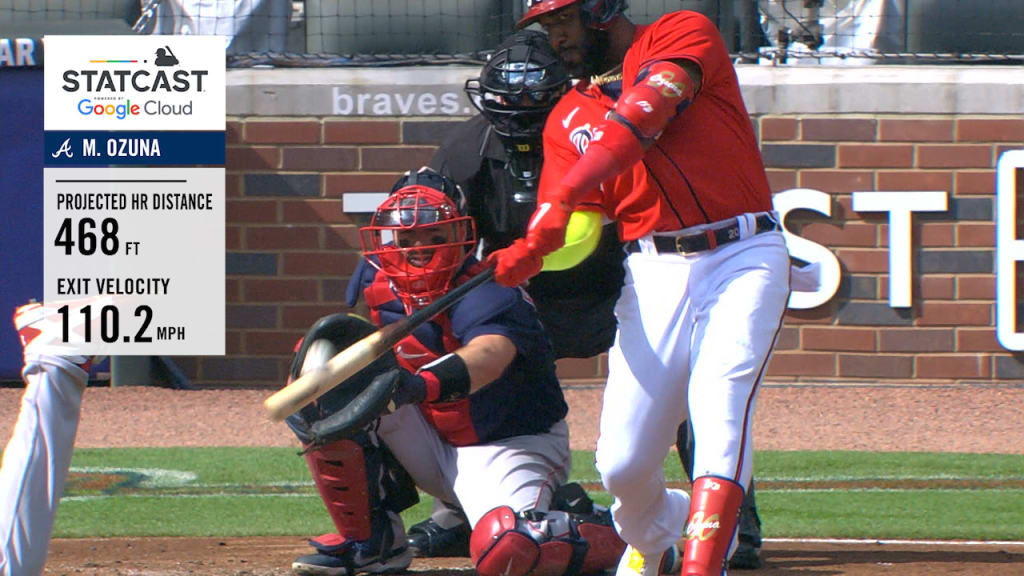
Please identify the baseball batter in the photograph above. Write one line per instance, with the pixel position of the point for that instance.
(479, 419)
(707, 271)
(37, 457)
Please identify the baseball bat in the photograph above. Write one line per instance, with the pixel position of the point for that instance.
(351, 360)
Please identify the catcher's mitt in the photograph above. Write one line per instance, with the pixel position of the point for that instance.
(352, 404)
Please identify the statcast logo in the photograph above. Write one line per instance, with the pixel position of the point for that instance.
(107, 84)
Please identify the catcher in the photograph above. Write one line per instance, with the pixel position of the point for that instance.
(478, 415)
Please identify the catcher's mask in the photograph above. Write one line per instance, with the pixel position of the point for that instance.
(427, 176)
(597, 14)
(419, 239)
(519, 85)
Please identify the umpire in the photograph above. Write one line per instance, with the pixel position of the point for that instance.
(496, 158)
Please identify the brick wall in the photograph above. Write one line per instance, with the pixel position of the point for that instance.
(291, 248)
(949, 333)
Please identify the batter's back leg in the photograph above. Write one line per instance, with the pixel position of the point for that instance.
(748, 551)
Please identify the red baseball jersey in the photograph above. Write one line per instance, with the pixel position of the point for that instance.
(568, 132)
(704, 167)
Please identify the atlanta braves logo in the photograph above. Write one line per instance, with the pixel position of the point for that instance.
(65, 149)
(664, 80)
(700, 528)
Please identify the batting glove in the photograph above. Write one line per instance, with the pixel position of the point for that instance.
(517, 263)
(546, 232)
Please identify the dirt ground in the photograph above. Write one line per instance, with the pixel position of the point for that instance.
(273, 556)
(981, 419)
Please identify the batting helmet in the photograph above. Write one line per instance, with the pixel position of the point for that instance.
(519, 85)
(419, 239)
(595, 13)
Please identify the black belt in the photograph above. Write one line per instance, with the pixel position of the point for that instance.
(707, 240)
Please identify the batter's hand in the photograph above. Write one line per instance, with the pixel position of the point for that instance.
(546, 232)
(517, 263)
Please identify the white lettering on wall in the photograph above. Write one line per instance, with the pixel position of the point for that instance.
(345, 102)
(900, 206)
(806, 250)
(1009, 249)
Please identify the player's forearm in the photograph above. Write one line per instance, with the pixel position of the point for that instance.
(486, 359)
(617, 151)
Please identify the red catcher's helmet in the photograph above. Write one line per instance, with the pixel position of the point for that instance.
(595, 13)
(419, 240)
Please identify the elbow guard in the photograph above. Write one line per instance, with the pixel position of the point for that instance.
(662, 90)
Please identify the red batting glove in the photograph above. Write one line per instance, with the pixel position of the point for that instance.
(546, 232)
(515, 264)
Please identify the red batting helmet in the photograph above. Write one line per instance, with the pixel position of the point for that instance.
(595, 13)
(419, 240)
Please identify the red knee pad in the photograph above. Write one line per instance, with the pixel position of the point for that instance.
(604, 546)
(714, 512)
(499, 548)
(555, 543)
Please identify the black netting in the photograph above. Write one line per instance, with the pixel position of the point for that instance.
(390, 32)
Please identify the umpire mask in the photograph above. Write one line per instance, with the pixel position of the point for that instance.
(519, 85)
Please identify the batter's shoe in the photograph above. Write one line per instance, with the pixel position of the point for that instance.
(634, 563)
(41, 331)
(429, 540)
(748, 550)
(385, 553)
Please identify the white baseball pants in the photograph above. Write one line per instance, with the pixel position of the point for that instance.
(36, 461)
(695, 334)
(521, 472)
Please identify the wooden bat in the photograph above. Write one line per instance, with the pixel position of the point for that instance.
(351, 360)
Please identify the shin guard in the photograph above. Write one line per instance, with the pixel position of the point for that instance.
(714, 510)
(553, 543)
(340, 473)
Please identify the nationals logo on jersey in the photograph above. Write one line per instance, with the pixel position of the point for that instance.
(582, 136)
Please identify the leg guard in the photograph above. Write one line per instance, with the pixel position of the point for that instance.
(592, 524)
(340, 472)
(555, 543)
(714, 510)
(604, 547)
(358, 479)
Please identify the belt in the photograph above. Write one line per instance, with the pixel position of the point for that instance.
(701, 241)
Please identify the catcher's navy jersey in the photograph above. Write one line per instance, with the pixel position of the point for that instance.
(525, 399)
